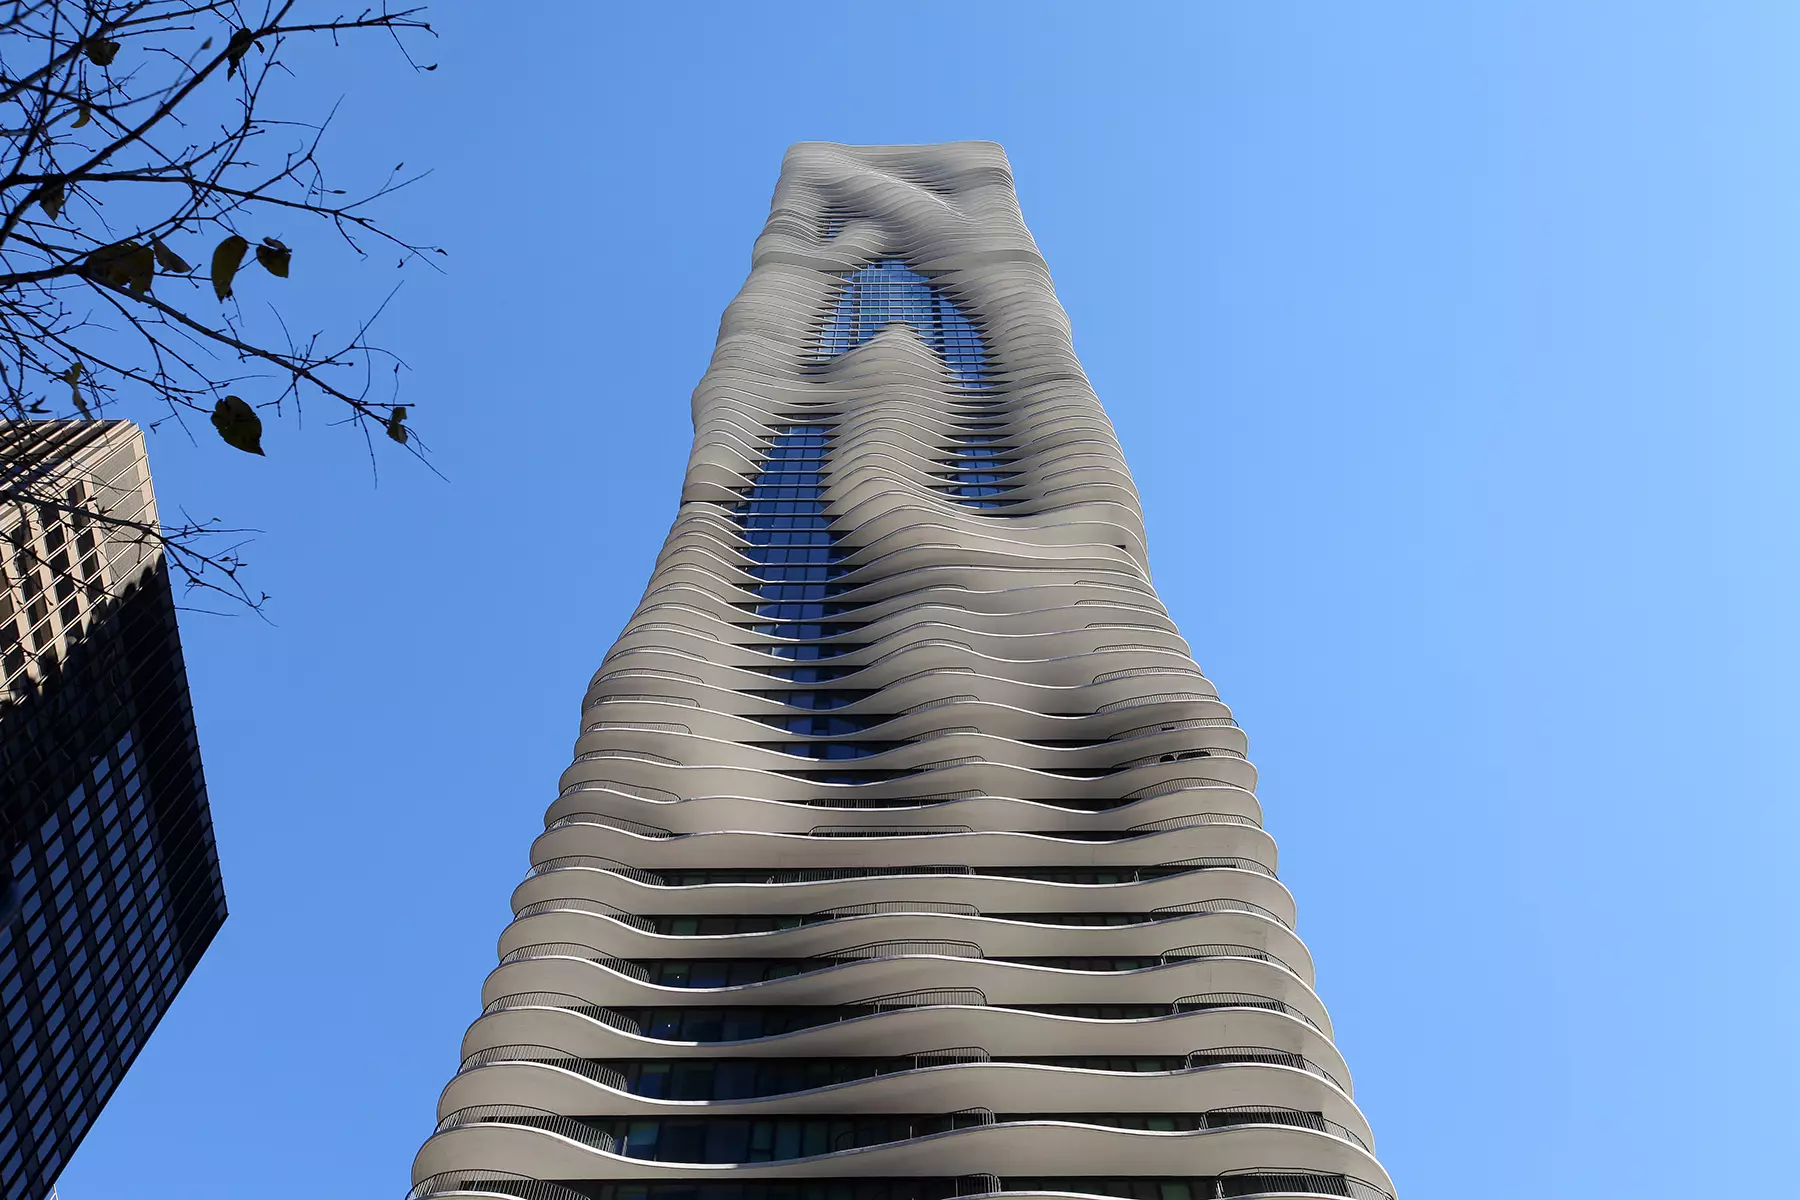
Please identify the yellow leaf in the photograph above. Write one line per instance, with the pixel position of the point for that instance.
(274, 257)
(139, 268)
(83, 116)
(235, 49)
(238, 424)
(51, 196)
(100, 51)
(123, 265)
(227, 257)
(396, 427)
(168, 260)
(72, 377)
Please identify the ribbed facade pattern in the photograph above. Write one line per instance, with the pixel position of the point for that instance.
(906, 852)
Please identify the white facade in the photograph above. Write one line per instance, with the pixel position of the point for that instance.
(906, 853)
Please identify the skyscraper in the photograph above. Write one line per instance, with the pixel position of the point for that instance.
(905, 853)
(110, 888)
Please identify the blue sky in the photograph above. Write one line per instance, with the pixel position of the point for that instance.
(1452, 348)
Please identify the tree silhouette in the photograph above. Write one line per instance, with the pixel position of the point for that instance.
(142, 182)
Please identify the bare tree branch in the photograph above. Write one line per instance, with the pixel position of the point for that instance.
(130, 133)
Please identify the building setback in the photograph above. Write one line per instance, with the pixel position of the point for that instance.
(905, 853)
(110, 888)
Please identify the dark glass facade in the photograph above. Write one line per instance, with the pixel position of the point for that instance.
(110, 878)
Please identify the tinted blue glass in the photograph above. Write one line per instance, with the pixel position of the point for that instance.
(825, 726)
(891, 293)
(815, 525)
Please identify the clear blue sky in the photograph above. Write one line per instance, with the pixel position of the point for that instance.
(1453, 349)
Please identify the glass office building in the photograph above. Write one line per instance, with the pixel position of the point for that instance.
(110, 888)
(905, 852)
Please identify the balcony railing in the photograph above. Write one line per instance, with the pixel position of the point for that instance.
(936, 907)
(601, 820)
(483, 1183)
(1208, 1001)
(885, 831)
(598, 908)
(567, 1003)
(897, 949)
(924, 997)
(1231, 1056)
(1190, 820)
(573, 950)
(1168, 786)
(1219, 906)
(1258, 1115)
(531, 1118)
(1224, 950)
(594, 863)
(548, 1056)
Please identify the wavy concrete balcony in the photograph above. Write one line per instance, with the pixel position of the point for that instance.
(904, 853)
